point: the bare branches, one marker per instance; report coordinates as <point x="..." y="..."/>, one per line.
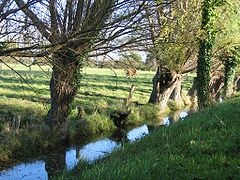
<point x="78" y="15"/>
<point x="54" y="22"/>
<point x="36" y="21"/>
<point x="77" y="25"/>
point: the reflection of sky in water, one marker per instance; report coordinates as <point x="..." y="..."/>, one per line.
<point x="220" y="99"/>
<point x="183" y="114"/>
<point x="29" y="171"/>
<point x="166" y="121"/>
<point x="98" y="149"/>
<point x="137" y="133"/>
<point x="71" y="159"/>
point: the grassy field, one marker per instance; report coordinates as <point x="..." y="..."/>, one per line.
<point x="97" y="85"/>
<point x="205" y="145"/>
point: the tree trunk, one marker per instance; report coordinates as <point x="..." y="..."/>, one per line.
<point x="154" y="97"/>
<point x="203" y="75"/>
<point x="164" y="97"/>
<point x="237" y="83"/>
<point x="63" y="87"/>
<point x="164" y="82"/>
<point x="205" y="55"/>
<point x="168" y="90"/>
<point x="229" y="74"/>
<point x="177" y="93"/>
<point x="193" y="92"/>
<point x="215" y="85"/>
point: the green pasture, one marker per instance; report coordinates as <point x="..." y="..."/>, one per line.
<point x="97" y="86"/>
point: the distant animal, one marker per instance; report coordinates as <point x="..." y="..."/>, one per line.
<point x="131" y="72"/>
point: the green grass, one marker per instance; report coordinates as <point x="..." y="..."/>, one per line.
<point x="95" y="84"/>
<point x="204" y="146"/>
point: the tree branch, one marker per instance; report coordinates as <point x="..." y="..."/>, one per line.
<point x="35" y="20"/>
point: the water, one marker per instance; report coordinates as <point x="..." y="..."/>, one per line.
<point x="177" y="115"/>
<point x="48" y="166"/>
<point x="137" y="133"/>
<point x="25" y="171"/>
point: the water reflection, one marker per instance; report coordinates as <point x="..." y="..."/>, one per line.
<point x="98" y="149"/>
<point x="26" y="171"/>
<point x="175" y="116"/>
<point x="183" y="114"/>
<point x="137" y="133"/>
<point x="90" y="152"/>
<point x="119" y="135"/>
<point x="55" y="162"/>
<point x="72" y="158"/>
<point x="166" y="121"/>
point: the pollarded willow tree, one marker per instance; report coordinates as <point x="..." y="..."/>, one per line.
<point x="64" y="32"/>
<point x="173" y="30"/>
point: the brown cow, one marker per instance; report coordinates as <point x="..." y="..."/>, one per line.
<point x="131" y="72"/>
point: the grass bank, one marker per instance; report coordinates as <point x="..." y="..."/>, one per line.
<point x="205" y="145"/>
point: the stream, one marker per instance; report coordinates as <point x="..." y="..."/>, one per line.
<point x="47" y="166"/>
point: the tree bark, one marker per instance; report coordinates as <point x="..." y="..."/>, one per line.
<point x="193" y="91"/>
<point x="177" y="92"/>
<point x="164" y="83"/>
<point x="237" y="83"/>
<point x="215" y="85"/>
<point x="230" y="66"/>
<point x="63" y="88"/>
<point x="154" y="97"/>
<point x="168" y="90"/>
<point x="205" y="55"/>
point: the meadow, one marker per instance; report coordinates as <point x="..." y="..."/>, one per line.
<point x="97" y="85"/>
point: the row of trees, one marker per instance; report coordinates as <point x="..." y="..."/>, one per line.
<point x="199" y="35"/>
<point x="178" y="37"/>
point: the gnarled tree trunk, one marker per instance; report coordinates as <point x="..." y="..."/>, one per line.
<point x="164" y="83"/>
<point x="230" y="66"/>
<point x="63" y="87"/>
<point x="154" y="97"/>
<point x="177" y="92"/>
<point x="215" y="85"/>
